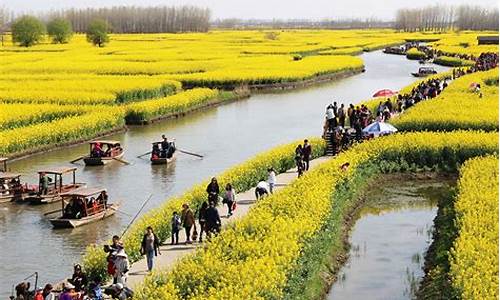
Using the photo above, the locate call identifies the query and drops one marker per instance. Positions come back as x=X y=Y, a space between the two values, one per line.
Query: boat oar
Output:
x=121 y=160
x=190 y=153
x=77 y=159
x=144 y=154
x=52 y=212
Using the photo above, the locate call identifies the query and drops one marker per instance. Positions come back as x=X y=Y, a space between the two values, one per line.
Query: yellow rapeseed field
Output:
x=474 y=257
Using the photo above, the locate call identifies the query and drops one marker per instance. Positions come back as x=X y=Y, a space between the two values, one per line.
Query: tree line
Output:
x=305 y=24
x=442 y=18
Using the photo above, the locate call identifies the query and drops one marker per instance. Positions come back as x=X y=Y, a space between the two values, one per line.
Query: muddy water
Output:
x=389 y=240
x=226 y=135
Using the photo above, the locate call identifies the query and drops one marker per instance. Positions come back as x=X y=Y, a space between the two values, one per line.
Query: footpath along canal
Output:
x=225 y=135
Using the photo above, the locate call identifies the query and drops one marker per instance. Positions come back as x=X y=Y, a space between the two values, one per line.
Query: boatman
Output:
x=165 y=145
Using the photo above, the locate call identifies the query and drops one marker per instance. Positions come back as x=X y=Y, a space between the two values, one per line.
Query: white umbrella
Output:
x=378 y=128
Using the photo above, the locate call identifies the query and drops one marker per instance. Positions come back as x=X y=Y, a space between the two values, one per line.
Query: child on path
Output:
x=176 y=227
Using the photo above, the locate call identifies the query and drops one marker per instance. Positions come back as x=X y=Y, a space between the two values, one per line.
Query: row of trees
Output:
x=326 y=23
x=131 y=19
x=442 y=18
x=28 y=30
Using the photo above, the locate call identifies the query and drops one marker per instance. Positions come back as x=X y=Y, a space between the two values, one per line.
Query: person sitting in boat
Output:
x=79 y=209
x=165 y=145
x=94 y=204
x=155 y=153
x=69 y=210
x=108 y=151
x=102 y=199
x=4 y=188
x=171 y=149
x=97 y=150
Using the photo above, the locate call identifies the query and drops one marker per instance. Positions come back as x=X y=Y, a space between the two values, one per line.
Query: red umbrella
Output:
x=384 y=93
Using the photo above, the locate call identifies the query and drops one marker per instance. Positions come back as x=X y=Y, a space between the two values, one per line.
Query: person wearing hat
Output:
x=122 y=266
x=111 y=250
x=68 y=293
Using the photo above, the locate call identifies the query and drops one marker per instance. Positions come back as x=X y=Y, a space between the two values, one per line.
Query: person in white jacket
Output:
x=122 y=266
x=271 y=179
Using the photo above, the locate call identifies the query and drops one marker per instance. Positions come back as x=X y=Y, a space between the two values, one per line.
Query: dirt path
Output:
x=170 y=254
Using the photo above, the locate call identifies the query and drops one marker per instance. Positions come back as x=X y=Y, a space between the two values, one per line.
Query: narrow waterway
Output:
x=389 y=240
x=225 y=135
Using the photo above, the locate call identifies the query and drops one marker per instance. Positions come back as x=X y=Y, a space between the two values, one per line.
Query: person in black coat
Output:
x=213 y=191
x=213 y=221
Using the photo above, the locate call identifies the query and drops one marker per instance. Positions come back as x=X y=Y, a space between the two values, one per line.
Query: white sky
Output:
x=258 y=9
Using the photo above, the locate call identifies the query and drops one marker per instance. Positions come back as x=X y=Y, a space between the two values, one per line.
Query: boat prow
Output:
x=73 y=223
x=100 y=161
x=163 y=161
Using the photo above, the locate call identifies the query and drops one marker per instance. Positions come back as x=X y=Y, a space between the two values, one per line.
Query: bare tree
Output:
x=4 y=21
x=132 y=19
x=441 y=18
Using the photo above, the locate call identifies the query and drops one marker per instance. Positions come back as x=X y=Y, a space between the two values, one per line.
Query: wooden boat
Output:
x=157 y=160
x=56 y=185
x=11 y=188
x=424 y=72
x=395 y=50
x=3 y=161
x=114 y=151
x=92 y=207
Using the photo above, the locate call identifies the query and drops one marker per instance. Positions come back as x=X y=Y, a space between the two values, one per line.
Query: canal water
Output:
x=225 y=135
x=389 y=240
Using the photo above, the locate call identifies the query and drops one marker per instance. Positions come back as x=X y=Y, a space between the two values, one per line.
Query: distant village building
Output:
x=487 y=40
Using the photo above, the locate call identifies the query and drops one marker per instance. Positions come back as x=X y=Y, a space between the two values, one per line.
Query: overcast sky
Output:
x=257 y=9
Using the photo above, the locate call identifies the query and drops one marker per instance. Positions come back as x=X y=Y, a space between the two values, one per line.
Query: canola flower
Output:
x=474 y=256
x=252 y=257
x=146 y=110
x=20 y=115
x=457 y=107
x=45 y=134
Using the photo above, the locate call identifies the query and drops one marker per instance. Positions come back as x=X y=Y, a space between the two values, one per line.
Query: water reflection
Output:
x=389 y=240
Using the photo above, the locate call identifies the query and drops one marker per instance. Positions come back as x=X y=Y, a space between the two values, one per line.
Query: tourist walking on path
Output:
x=111 y=250
x=229 y=199
x=341 y=114
x=271 y=179
x=213 y=220
x=150 y=246
x=330 y=117
x=176 y=227
x=298 y=159
x=261 y=189
x=306 y=154
x=122 y=266
x=351 y=114
x=187 y=219
x=202 y=217
x=213 y=191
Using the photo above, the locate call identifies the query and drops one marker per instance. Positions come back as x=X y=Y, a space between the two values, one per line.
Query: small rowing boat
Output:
x=163 y=156
x=51 y=185
x=99 y=157
x=84 y=206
